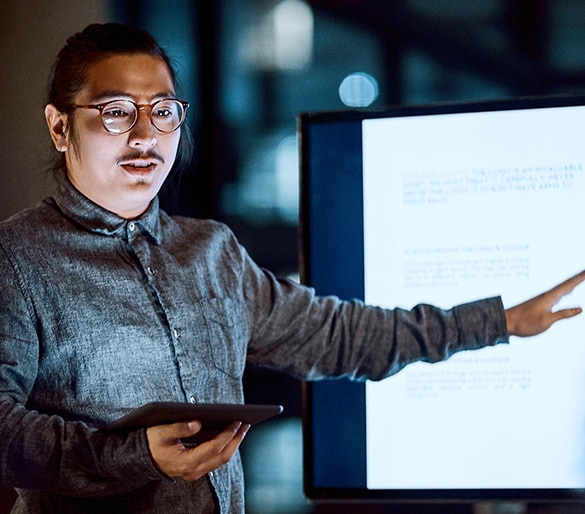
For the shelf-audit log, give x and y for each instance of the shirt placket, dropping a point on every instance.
(181, 332)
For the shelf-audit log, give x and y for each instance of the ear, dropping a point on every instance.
(57, 123)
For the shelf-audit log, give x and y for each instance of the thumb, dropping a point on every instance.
(185, 429)
(176, 431)
(568, 313)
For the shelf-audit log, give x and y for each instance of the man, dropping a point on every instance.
(108, 303)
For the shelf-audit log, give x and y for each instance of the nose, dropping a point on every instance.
(143, 133)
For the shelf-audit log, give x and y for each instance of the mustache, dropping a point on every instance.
(137, 155)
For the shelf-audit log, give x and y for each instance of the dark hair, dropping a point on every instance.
(94, 43)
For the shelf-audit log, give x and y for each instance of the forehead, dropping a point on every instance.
(137, 76)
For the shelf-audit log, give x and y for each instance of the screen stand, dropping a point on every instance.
(499, 508)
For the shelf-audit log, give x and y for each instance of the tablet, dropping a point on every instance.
(214, 417)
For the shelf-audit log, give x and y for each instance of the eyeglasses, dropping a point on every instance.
(119, 116)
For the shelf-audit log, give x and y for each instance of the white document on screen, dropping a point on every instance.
(459, 207)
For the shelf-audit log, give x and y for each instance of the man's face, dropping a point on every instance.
(122, 172)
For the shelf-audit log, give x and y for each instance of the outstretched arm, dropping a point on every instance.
(537, 315)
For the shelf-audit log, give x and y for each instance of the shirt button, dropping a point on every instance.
(211, 474)
(177, 333)
(131, 226)
(192, 399)
(150, 270)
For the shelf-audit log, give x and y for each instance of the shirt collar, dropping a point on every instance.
(91, 216)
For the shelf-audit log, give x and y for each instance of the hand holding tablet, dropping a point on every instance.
(213, 417)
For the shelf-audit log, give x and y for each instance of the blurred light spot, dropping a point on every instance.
(282, 38)
(268, 189)
(358, 90)
(273, 467)
(293, 30)
(287, 180)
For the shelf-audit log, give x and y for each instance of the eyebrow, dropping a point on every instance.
(111, 94)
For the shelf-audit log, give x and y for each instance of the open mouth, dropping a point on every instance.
(142, 168)
(140, 163)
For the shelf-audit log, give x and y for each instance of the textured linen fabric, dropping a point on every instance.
(99, 315)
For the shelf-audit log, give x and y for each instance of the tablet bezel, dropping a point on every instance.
(214, 417)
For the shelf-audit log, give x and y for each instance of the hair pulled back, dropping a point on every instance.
(91, 45)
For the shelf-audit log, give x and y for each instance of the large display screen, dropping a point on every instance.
(444, 205)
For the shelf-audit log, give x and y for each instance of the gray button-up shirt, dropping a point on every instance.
(99, 315)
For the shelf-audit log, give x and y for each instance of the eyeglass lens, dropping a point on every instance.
(120, 115)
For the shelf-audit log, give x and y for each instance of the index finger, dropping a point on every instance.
(568, 285)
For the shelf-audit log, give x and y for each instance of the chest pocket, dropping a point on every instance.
(228, 328)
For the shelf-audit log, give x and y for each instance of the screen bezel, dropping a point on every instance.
(332, 262)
